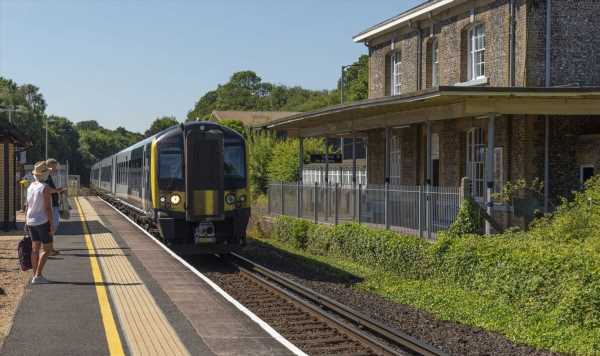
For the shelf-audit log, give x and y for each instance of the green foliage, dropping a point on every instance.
(30, 118)
(468, 220)
(160, 124)
(260, 152)
(541, 287)
(291, 230)
(246, 91)
(519, 188)
(235, 125)
(285, 163)
(356, 80)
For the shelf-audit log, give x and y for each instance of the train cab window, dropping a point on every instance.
(170, 161)
(234, 162)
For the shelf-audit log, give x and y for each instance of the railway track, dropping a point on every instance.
(341, 330)
(315, 323)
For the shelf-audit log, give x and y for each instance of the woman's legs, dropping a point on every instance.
(46, 249)
(35, 255)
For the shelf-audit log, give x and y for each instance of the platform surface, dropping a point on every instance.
(116, 291)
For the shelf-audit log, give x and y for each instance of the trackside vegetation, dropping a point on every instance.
(540, 287)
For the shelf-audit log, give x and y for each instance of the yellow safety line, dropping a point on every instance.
(115, 347)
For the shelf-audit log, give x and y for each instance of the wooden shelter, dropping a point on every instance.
(11, 142)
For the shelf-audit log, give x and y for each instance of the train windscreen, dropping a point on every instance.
(170, 163)
(234, 162)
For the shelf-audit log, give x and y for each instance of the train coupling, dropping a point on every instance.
(204, 232)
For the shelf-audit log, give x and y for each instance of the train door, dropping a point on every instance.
(203, 173)
(112, 167)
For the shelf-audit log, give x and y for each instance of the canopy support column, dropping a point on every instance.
(489, 170)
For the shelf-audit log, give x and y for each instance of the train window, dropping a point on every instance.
(170, 160)
(234, 163)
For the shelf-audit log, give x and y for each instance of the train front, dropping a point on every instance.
(203, 204)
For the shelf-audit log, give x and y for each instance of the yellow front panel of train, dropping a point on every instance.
(205, 203)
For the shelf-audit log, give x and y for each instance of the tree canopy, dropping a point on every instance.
(246, 91)
(161, 123)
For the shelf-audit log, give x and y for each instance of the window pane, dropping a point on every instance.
(234, 160)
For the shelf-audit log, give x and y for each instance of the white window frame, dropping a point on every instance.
(476, 52)
(396, 73)
(581, 168)
(476, 152)
(498, 169)
(435, 62)
(395, 160)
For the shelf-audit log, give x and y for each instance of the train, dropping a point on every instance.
(188, 183)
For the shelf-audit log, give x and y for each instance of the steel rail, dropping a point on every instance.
(364, 322)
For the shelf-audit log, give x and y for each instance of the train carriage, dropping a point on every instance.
(188, 181)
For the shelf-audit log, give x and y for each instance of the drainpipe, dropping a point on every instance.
(547, 119)
(511, 46)
(419, 58)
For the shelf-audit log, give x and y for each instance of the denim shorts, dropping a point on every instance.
(40, 233)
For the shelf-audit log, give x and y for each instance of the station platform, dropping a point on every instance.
(116, 291)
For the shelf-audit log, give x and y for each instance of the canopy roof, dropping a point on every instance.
(252, 118)
(446, 102)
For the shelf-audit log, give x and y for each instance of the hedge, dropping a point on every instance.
(554, 268)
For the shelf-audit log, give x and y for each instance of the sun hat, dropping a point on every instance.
(40, 171)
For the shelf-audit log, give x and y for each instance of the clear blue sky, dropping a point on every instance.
(124, 63)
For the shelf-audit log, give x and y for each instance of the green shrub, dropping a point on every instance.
(291, 230)
(319, 239)
(468, 220)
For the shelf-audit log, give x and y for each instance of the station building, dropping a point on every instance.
(492, 90)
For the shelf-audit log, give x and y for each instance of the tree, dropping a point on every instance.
(31, 122)
(204, 107)
(87, 125)
(260, 152)
(356, 80)
(63, 142)
(160, 124)
(240, 93)
(235, 125)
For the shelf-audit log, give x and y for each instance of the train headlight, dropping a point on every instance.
(175, 199)
(230, 199)
(242, 198)
(163, 199)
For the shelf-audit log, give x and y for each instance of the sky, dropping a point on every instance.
(127, 62)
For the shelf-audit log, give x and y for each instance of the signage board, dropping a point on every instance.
(331, 158)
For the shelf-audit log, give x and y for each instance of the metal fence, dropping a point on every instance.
(410, 209)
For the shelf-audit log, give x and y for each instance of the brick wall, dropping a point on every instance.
(376, 156)
(575, 45)
(450, 32)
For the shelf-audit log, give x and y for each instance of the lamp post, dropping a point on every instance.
(342, 80)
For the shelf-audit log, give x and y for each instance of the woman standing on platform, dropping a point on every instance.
(39, 220)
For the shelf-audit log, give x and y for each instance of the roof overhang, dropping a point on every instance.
(442, 104)
(422, 11)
